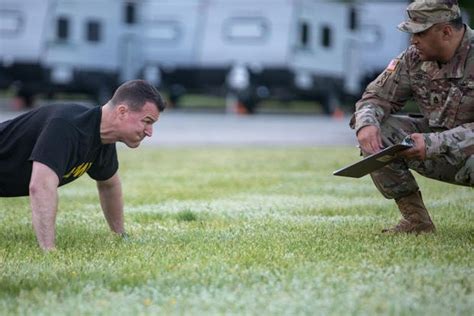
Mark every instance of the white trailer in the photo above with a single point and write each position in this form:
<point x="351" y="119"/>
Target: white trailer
<point x="85" y="46"/>
<point x="22" y="42"/>
<point x="380" y="39"/>
<point x="92" y="45"/>
<point x="171" y="38"/>
<point x="254" y="49"/>
<point x="286" y="48"/>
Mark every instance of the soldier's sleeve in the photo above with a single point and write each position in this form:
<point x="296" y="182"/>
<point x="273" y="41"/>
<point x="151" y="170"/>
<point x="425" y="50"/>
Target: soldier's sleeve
<point x="387" y="94"/>
<point x="455" y="144"/>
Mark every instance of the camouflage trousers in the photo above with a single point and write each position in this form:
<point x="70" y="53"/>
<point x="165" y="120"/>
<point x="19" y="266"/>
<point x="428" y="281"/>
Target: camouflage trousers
<point x="454" y="166"/>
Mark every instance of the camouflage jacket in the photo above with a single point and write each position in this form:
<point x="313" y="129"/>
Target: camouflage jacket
<point x="445" y="96"/>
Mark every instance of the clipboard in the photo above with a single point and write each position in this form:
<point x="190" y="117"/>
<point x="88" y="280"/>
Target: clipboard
<point x="374" y="161"/>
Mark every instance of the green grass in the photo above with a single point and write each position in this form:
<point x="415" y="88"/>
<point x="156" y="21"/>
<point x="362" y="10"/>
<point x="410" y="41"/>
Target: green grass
<point x="240" y="231"/>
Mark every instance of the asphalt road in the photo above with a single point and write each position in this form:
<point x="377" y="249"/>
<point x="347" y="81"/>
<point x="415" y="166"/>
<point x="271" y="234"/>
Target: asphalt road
<point x="181" y="128"/>
<point x="178" y="128"/>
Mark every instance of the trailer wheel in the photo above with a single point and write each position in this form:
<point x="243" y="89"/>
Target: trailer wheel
<point x="176" y="91"/>
<point x="247" y="105"/>
<point x="247" y="101"/>
<point x="329" y="102"/>
<point x="24" y="98"/>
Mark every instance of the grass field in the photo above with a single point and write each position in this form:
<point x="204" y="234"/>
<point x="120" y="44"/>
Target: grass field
<point x="240" y="231"/>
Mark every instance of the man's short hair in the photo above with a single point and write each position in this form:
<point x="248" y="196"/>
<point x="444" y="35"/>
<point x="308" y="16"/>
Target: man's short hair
<point x="136" y="93"/>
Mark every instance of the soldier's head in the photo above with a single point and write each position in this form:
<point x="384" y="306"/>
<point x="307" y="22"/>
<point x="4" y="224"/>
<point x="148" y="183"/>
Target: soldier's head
<point x="436" y="27"/>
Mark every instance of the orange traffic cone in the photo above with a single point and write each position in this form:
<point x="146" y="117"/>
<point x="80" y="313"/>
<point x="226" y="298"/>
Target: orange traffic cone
<point x="241" y="109"/>
<point x="338" y="114"/>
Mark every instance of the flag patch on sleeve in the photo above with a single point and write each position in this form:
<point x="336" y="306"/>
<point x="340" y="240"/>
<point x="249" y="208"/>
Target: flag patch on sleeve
<point x="392" y="65"/>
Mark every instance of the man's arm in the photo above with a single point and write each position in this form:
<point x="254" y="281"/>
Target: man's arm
<point x="456" y="144"/>
<point x="44" y="203"/>
<point x="110" y="194"/>
<point x="386" y="95"/>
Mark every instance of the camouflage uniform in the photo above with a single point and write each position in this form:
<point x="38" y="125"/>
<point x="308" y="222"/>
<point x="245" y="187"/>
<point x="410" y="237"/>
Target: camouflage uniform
<point x="445" y="97"/>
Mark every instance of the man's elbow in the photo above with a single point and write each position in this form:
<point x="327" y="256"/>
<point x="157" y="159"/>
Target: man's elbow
<point x="40" y="187"/>
<point x="35" y="188"/>
<point x="43" y="179"/>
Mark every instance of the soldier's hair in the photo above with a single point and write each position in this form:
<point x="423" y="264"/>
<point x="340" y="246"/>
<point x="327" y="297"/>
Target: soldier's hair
<point x="136" y="93"/>
<point x="457" y="23"/>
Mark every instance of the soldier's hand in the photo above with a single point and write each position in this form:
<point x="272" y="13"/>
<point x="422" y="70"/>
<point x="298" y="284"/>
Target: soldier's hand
<point x="370" y="140"/>
<point x="418" y="151"/>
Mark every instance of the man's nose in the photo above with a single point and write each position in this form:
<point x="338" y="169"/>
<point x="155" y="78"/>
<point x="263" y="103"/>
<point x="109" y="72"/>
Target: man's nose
<point x="413" y="39"/>
<point x="149" y="130"/>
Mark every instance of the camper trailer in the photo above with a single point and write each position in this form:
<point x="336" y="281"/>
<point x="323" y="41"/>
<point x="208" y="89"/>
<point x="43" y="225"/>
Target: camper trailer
<point x="248" y="49"/>
<point x="68" y="45"/>
<point x="92" y="45"/>
<point x="172" y="33"/>
<point x="380" y="40"/>
<point x="23" y="27"/>
<point x="244" y="48"/>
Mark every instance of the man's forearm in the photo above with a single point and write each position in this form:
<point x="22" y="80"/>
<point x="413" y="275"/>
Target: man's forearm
<point x="367" y="113"/>
<point x="457" y="143"/>
<point x="113" y="212"/>
<point x="111" y="201"/>
<point x="44" y="204"/>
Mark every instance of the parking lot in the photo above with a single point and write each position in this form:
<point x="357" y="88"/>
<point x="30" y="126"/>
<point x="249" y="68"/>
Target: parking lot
<point x="185" y="128"/>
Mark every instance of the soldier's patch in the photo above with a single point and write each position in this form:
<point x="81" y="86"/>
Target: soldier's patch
<point x="383" y="78"/>
<point x="392" y="65"/>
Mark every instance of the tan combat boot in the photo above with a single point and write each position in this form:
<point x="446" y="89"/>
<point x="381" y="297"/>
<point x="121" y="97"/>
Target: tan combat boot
<point x="415" y="216"/>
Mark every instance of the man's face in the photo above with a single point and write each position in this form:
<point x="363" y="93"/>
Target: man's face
<point x="429" y="43"/>
<point x="136" y="125"/>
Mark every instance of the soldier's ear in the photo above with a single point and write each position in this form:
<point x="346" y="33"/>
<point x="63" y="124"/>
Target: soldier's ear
<point x="447" y="31"/>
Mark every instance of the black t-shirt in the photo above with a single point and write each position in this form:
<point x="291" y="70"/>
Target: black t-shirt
<point x="66" y="138"/>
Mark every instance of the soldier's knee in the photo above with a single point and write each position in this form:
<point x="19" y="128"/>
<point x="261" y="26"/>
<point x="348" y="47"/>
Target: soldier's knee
<point x="393" y="190"/>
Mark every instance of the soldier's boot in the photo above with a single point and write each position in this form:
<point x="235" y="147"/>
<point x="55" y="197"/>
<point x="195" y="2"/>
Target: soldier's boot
<point x="415" y="217"/>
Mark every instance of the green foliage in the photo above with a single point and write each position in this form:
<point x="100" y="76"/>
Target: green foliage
<point x="468" y="7"/>
<point x="240" y="231"/>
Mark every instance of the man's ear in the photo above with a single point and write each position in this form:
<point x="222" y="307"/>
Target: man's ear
<point x="447" y="31"/>
<point x="122" y="110"/>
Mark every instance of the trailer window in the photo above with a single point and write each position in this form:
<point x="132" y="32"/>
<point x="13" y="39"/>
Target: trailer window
<point x="246" y="29"/>
<point x="353" y="19"/>
<point x="62" y="28"/>
<point x="11" y="22"/>
<point x="304" y="33"/>
<point x="130" y="13"/>
<point x="93" y="31"/>
<point x="326" y="36"/>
